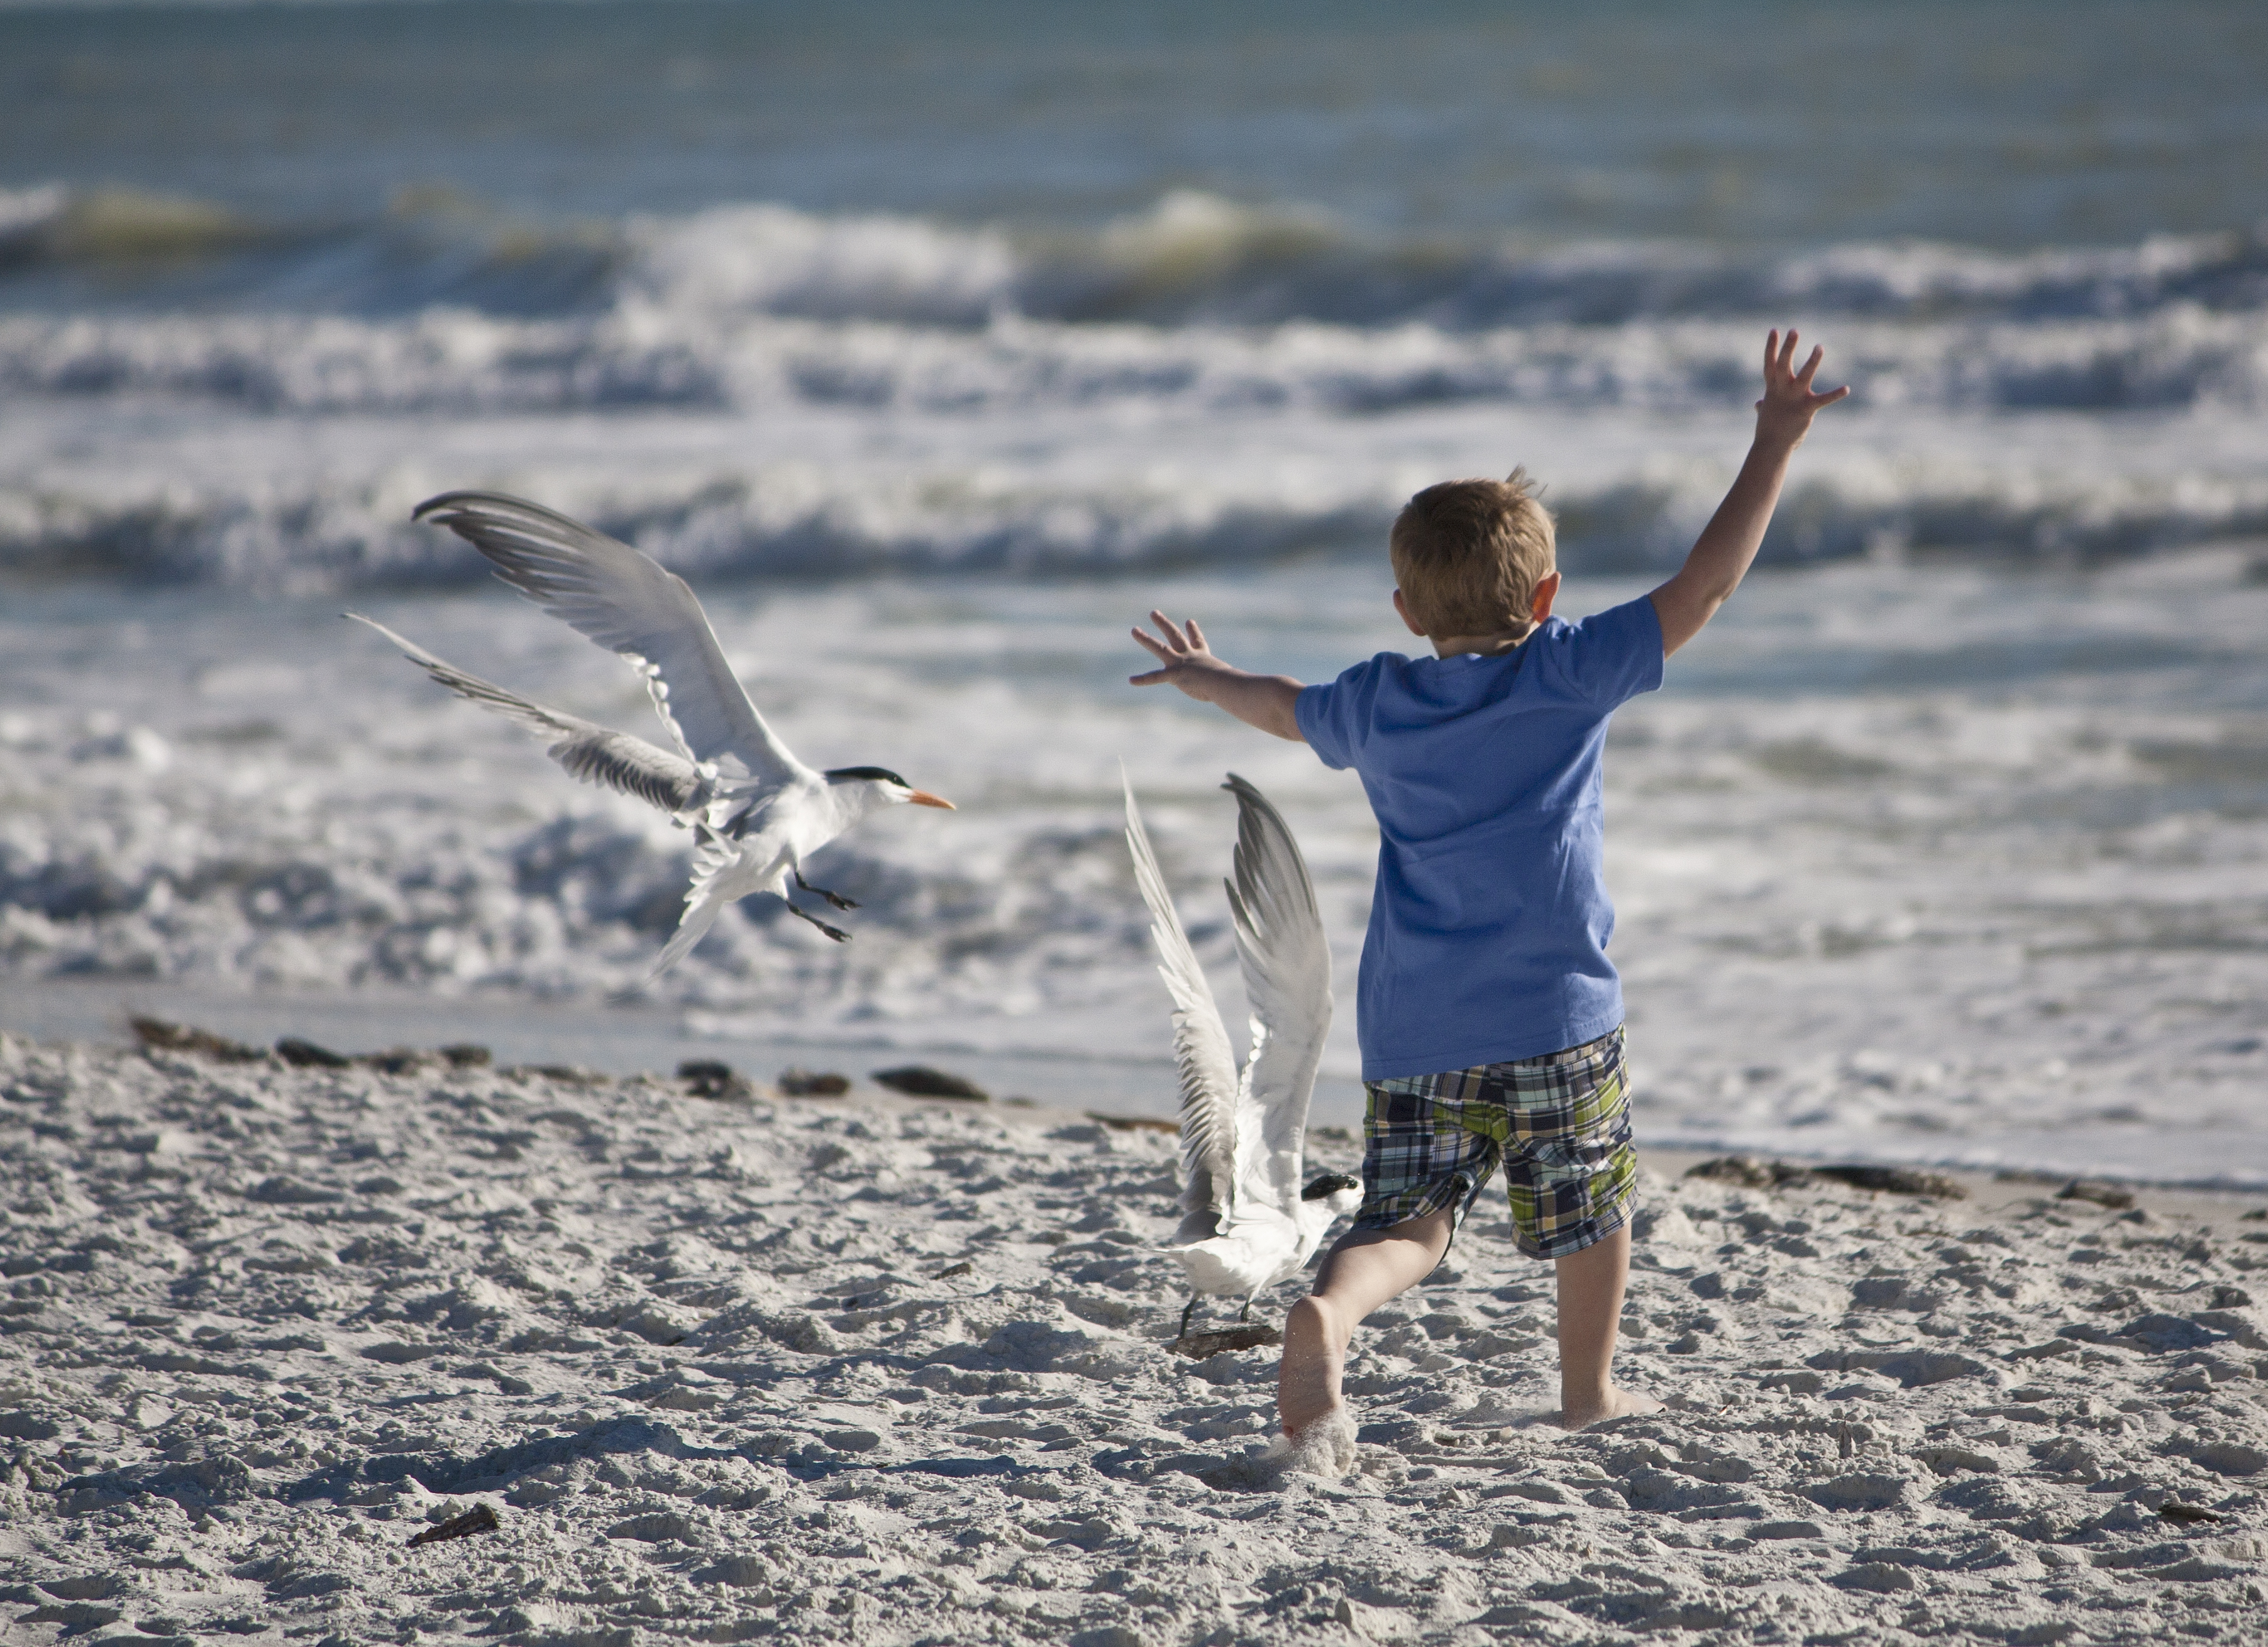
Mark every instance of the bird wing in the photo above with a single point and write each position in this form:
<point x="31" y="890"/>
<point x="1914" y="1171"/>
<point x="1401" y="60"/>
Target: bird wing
<point x="628" y="603"/>
<point x="595" y="753"/>
<point x="1201" y="1050"/>
<point x="1287" y="985"/>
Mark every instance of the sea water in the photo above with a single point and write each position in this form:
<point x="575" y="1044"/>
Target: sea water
<point x="938" y="344"/>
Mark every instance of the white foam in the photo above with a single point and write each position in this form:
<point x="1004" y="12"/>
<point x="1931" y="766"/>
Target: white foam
<point x="1911" y="864"/>
<point x="771" y="259"/>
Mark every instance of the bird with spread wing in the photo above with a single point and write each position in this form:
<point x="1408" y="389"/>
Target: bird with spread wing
<point x="1248" y="1221"/>
<point x="756" y="811"/>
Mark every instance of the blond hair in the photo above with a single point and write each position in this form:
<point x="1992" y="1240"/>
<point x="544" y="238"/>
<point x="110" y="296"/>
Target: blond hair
<point x="1470" y="554"/>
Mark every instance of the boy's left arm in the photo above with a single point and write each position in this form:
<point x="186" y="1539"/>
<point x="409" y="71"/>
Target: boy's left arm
<point x="1262" y="701"/>
<point x="1729" y="542"/>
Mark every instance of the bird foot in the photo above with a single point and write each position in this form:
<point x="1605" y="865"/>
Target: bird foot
<point x="835" y="932"/>
<point x="835" y="898"/>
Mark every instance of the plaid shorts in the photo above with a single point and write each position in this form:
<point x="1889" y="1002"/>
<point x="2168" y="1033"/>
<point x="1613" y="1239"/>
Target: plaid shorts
<point x="1560" y="1125"/>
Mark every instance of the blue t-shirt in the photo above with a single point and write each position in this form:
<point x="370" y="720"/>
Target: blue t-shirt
<point x="1489" y="927"/>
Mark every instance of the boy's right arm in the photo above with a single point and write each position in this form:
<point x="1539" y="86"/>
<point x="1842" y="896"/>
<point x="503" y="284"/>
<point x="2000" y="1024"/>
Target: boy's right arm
<point x="1729" y="542"/>
<point x="1262" y="701"/>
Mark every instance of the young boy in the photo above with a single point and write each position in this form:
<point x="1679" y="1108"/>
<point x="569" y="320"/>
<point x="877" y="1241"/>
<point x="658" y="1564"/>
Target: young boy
<point x="1490" y="1018"/>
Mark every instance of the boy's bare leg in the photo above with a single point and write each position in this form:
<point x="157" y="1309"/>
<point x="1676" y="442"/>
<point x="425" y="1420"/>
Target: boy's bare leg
<point x="1591" y="1284"/>
<point x="1364" y="1270"/>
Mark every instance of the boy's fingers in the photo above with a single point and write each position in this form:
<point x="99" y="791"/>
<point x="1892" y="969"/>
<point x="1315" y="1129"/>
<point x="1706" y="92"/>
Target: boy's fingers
<point x="1788" y="350"/>
<point x="1810" y="366"/>
<point x="1156" y="677"/>
<point x="1831" y="396"/>
<point x="1772" y="349"/>
<point x="1144" y="637"/>
<point x="1196" y="635"/>
<point x="1173" y="634"/>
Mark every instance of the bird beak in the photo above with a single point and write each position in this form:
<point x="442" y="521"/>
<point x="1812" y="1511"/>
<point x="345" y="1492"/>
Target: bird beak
<point x="922" y="797"/>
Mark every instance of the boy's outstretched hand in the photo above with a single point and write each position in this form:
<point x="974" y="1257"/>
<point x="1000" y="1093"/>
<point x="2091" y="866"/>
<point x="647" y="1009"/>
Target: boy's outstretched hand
<point x="1187" y="662"/>
<point x="1784" y="415"/>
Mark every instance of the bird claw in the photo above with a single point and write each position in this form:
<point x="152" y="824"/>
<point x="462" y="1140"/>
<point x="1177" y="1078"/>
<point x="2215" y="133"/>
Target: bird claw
<point x="835" y="932"/>
<point x="835" y="898"/>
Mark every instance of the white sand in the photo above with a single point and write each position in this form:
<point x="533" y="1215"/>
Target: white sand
<point x="875" y="1370"/>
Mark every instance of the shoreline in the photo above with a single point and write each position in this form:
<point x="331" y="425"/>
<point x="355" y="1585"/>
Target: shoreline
<point x="650" y="1040"/>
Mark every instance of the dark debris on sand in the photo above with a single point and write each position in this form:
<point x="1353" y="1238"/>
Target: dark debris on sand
<point x="708" y="1077"/>
<point x="158" y="1034"/>
<point x="1751" y="1173"/>
<point x="478" y="1518"/>
<point x="797" y="1082"/>
<point x="1203" y="1346"/>
<point x="918" y="1080"/>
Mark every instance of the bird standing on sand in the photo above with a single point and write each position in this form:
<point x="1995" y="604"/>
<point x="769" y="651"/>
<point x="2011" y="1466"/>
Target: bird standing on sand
<point x="1248" y="1221"/>
<point x="756" y="811"/>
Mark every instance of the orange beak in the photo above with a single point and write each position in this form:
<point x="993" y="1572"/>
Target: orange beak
<point x="922" y="797"/>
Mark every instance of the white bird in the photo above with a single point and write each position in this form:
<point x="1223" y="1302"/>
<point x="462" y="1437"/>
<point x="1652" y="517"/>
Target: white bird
<point x="756" y="811"/>
<point x="1249" y="1222"/>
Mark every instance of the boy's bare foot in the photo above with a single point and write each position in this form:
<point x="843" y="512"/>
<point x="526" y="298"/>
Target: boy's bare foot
<point x="1307" y="1378"/>
<point x="1325" y="1448"/>
<point x="1617" y="1403"/>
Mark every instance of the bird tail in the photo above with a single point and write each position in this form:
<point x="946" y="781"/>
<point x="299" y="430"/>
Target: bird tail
<point x="1218" y="1268"/>
<point x="705" y="900"/>
<point x="690" y="931"/>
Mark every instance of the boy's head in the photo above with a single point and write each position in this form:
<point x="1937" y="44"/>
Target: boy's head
<point x="1472" y="556"/>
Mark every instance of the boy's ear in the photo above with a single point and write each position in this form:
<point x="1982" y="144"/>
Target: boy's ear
<point x="1547" y="590"/>
<point x="1401" y="608"/>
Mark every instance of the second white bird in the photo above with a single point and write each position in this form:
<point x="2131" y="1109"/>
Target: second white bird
<point x="1248" y="1221"/>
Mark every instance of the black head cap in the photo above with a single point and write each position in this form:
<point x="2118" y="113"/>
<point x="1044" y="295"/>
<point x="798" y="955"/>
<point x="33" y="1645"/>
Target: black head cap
<point x="872" y="774"/>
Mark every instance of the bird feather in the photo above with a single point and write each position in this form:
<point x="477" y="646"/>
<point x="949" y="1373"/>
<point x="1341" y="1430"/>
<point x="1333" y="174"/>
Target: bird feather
<point x="714" y="886"/>
<point x="1201" y="1054"/>
<point x="593" y="752"/>
<point x="627" y="602"/>
<point x="1287" y="961"/>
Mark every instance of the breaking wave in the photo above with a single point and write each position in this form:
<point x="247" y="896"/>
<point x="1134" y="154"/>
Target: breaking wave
<point x="1198" y="303"/>
<point x="1191" y="259"/>
<point x="462" y="362"/>
<point x="998" y="359"/>
<point x="797" y="523"/>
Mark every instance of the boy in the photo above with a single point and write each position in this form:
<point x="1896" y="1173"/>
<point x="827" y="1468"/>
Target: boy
<point x="1490" y="1018"/>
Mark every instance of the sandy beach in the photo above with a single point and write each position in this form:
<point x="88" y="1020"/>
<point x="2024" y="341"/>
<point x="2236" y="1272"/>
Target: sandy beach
<point x="737" y="1366"/>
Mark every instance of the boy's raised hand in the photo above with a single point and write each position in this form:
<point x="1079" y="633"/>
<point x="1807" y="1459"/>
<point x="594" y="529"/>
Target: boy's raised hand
<point x="1784" y="415"/>
<point x="1729" y="542"/>
<point x="1187" y="662"/>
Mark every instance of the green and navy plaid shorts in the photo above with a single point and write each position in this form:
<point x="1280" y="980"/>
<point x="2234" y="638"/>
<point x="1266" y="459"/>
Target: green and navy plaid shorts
<point x="1559" y="1124"/>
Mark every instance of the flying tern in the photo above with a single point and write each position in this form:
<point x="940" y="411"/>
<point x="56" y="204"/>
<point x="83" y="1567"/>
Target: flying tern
<point x="1247" y="1221"/>
<point x="756" y="811"/>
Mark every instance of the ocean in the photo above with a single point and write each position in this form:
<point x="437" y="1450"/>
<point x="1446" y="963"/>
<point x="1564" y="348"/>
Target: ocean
<point x="936" y="344"/>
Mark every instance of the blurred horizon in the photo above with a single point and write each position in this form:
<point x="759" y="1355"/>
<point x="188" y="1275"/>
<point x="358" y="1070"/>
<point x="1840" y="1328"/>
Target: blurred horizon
<point x="2006" y="125"/>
